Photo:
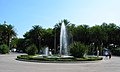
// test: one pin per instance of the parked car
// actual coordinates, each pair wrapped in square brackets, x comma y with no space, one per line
[13,50]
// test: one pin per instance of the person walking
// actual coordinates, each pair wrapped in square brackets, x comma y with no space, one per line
[106,54]
[110,54]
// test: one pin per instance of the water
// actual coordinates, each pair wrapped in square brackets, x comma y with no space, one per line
[46,51]
[63,41]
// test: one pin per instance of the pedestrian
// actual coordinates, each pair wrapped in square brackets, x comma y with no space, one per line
[106,53]
[97,53]
[110,54]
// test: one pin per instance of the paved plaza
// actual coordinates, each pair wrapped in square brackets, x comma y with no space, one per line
[9,64]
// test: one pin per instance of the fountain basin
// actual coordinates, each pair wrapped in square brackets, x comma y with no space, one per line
[53,56]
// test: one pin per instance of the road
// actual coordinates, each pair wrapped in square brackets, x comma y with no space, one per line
[9,64]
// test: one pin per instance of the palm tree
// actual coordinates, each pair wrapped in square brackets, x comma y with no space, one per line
[7,33]
[36,35]
[10,33]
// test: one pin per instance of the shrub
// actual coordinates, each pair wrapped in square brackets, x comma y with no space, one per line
[4,49]
[78,49]
[38,59]
[116,51]
[32,50]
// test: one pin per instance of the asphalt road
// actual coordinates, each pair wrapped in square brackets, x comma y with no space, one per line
[9,64]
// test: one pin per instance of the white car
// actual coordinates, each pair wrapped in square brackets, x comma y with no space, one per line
[13,49]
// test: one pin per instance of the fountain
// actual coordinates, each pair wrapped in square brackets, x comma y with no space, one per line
[63,41]
[46,51]
[64,51]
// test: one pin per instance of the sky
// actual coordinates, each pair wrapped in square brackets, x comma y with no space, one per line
[23,14]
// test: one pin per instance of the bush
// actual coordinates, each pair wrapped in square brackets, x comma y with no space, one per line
[116,51]
[4,49]
[32,50]
[78,50]
[38,59]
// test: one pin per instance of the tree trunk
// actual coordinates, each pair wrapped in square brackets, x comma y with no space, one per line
[55,43]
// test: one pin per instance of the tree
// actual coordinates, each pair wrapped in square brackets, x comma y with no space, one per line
[10,33]
[35,36]
[48,38]
[14,42]
[21,45]
[98,36]
[81,33]
[7,33]
[71,33]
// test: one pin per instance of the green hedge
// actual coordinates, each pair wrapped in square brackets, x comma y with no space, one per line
[32,57]
[4,49]
[78,49]
[32,50]
[116,51]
